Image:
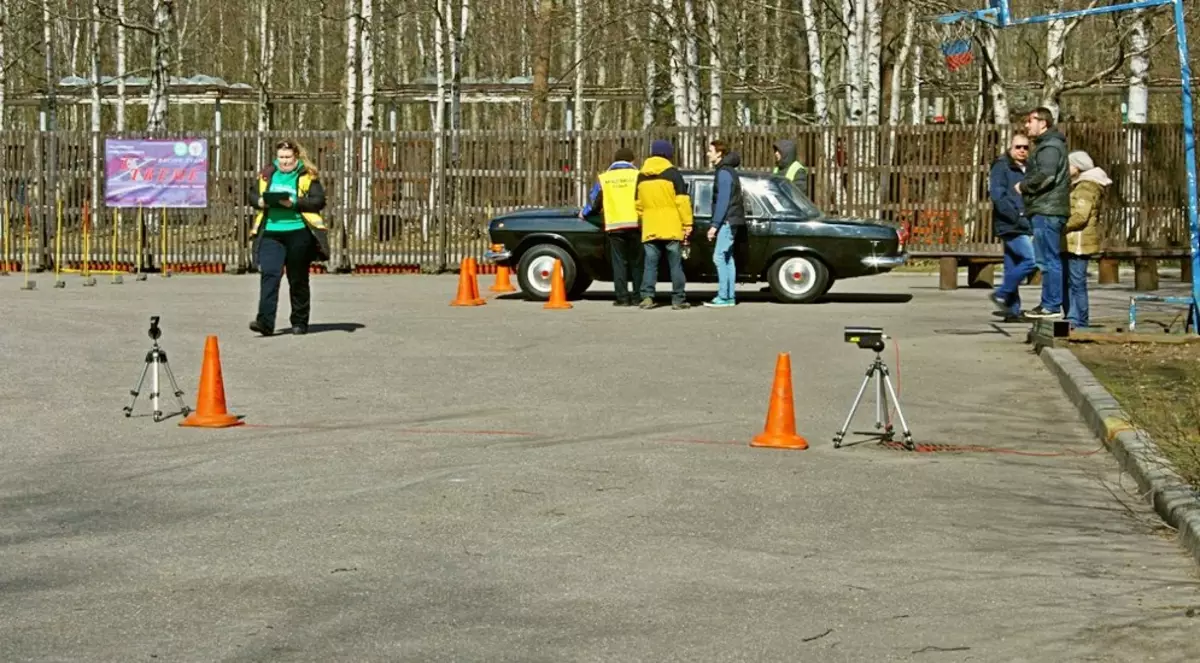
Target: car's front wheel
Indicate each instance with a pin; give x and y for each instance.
(536, 269)
(798, 279)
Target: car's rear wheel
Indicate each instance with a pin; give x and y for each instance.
(536, 269)
(798, 279)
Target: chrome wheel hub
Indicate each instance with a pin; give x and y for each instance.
(541, 271)
(797, 276)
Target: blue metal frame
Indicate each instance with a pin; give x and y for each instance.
(997, 14)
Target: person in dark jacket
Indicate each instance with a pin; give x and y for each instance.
(289, 234)
(789, 166)
(1010, 224)
(1047, 193)
(729, 215)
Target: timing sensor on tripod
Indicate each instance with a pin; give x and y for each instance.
(866, 338)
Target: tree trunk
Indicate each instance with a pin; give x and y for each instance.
(3, 69)
(366, 165)
(716, 97)
(816, 68)
(1136, 113)
(852, 17)
(542, 45)
(96, 128)
(874, 47)
(164, 12)
(650, 108)
(122, 50)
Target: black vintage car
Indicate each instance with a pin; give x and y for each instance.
(788, 242)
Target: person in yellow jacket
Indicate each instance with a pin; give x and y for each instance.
(289, 234)
(665, 209)
(614, 194)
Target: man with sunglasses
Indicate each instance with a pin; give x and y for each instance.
(1010, 224)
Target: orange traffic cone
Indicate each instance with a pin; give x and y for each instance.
(780, 431)
(467, 295)
(210, 401)
(474, 269)
(502, 284)
(558, 291)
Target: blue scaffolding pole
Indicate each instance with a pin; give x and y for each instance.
(997, 14)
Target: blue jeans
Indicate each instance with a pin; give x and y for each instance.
(1075, 291)
(723, 258)
(1019, 263)
(653, 254)
(1047, 238)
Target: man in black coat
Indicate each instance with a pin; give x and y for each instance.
(1047, 193)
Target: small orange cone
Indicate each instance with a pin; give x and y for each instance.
(467, 295)
(558, 291)
(210, 401)
(502, 284)
(473, 267)
(780, 431)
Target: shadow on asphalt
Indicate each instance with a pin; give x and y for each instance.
(695, 298)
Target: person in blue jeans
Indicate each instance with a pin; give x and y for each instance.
(729, 215)
(1082, 238)
(1046, 190)
(1010, 224)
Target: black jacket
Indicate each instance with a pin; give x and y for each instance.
(727, 203)
(1008, 206)
(1047, 185)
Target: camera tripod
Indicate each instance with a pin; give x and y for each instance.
(156, 357)
(878, 370)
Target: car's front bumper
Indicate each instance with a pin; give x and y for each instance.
(885, 262)
(498, 257)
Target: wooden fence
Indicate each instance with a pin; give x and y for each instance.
(394, 209)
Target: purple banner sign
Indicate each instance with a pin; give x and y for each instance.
(156, 173)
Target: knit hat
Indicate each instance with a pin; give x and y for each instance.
(1081, 160)
(662, 148)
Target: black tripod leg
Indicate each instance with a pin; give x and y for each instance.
(138, 389)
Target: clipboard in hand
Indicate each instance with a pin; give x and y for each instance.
(275, 198)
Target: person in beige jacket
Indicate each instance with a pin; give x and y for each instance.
(1081, 235)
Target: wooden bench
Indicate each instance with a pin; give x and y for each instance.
(981, 266)
(1145, 265)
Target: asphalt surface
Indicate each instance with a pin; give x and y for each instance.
(419, 482)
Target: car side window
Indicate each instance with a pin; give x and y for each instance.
(701, 193)
(754, 207)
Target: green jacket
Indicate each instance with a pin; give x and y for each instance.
(1047, 184)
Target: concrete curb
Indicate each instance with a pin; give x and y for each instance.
(1175, 501)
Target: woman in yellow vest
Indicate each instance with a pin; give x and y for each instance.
(289, 234)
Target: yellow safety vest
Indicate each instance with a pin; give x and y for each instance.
(312, 218)
(796, 167)
(619, 188)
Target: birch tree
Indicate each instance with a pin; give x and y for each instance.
(122, 52)
(1137, 112)
(367, 124)
(716, 97)
(156, 112)
(3, 63)
(816, 67)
